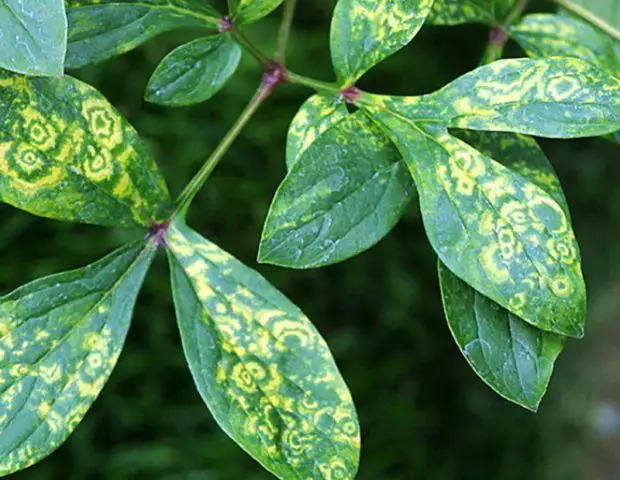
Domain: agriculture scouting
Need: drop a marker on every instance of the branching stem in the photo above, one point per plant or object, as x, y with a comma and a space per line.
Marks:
285, 31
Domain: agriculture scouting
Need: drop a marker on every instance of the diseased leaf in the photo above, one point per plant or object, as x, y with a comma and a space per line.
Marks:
60, 338
514, 358
314, 117
261, 367
33, 35
249, 11
344, 194
455, 12
194, 72
99, 30
547, 35
553, 97
66, 153
365, 32
494, 228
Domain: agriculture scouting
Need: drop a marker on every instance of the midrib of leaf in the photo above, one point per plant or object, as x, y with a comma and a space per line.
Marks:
514, 357
224, 339
21, 22
106, 295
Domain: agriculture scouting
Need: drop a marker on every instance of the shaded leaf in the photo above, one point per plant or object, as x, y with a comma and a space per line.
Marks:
514, 358
315, 116
365, 32
66, 153
194, 72
261, 367
547, 35
344, 194
554, 97
60, 338
101, 30
248, 11
455, 12
493, 228
33, 34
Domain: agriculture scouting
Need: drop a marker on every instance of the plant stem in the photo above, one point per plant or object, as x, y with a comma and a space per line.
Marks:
590, 17
252, 50
203, 174
285, 31
516, 13
318, 85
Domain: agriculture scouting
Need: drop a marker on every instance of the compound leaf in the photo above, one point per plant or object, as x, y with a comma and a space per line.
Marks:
315, 116
33, 34
249, 11
343, 195
552, 97
261, 367
493, 228
365, 32
548, 35
194, 72
60, 338
455, 12
511, 356
101, 30
66, 153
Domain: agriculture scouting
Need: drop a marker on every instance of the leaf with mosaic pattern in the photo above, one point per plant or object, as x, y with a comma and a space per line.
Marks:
511, 356
493, 228
261, 367
194, 72
552, 97
60, 338
365, 32
548, 35
315, 116
99, 30
344, 194
249, 11
67, 154
456, 12
33, 34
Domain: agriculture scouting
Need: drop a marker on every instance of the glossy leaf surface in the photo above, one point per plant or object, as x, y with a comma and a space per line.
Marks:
547, 35
511, 356
315, 116
554, 97
261, 367
455, 12
194, 72
607, 11
99, 30
33, 35
494, 228
66, 153
248, 11
365, 32
60, 338
344, 194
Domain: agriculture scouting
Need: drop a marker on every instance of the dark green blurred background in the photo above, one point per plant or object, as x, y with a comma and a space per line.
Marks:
424, 413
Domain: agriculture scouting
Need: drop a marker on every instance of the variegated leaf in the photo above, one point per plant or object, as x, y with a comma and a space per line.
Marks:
261, 367
455, 12
249, 11
66, 153
60, 338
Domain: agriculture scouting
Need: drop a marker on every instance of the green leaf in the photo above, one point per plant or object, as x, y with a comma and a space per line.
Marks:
249, 11
365, 32
455, 12
34, 36
514, 358
261, 367
554, 97
60, 338
101, 30
344, 194
66, 153
493, 228
547, 35
315, 116
194, 72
